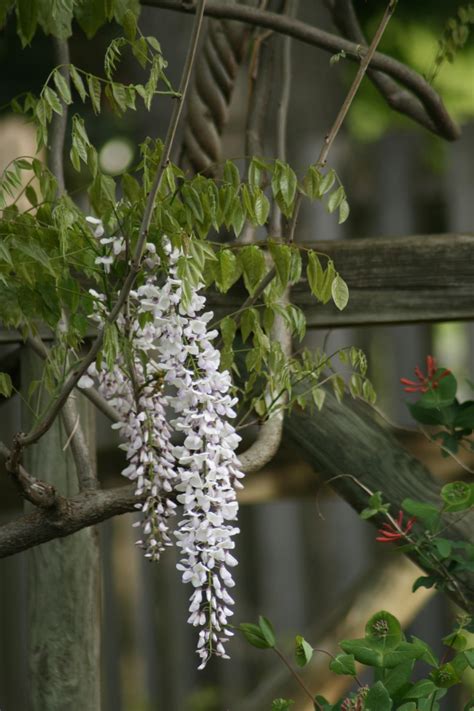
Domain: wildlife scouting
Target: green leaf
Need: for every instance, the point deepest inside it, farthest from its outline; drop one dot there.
(426, 513)
(327, 182)
(443, 546)
(31, 195)
(252, 260)
(420, 690)
(335, 199)
(344, 211)
(261, 206)
(343, 664)
(375, 507)
(52, 100)
(231, 174)
(237, 217)
(77, 82)
(94, 87)
(340, 292)
(129, 24)
(254, 635)
(35, 253)
(397, 679)
(267, 630)
(6, 385)
(469, 654)
(458, 496)
(362, 651)
(465, 417)
(445, 676)
(378, 699)
(228, 328)
(62, 86)
(303, 651)
(27, 16)
(255, 173)
(383, 631)
(90, 14)
(424, 581)
(456, 640)
(443, 395)
(425, 415)
(227, 270)
(281, 255)
(312, 182)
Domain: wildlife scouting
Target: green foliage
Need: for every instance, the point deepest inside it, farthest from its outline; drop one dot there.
(55, 17)
(303, 651)
(455, 36)
(394, 660)
(440, 407)
(261, 636)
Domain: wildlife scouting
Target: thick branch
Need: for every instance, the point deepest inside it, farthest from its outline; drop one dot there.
(345, 19)
(68, 516)
(37, 492)
(442, 123)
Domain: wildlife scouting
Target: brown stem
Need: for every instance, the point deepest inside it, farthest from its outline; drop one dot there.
(367, 58)
(297, 677)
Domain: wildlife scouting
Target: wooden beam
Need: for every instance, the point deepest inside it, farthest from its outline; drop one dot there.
(424, 278)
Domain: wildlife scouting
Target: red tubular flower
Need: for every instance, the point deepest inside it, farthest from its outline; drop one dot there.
(389, 533)
(425, 382)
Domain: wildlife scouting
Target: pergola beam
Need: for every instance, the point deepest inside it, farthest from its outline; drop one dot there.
(424, 278)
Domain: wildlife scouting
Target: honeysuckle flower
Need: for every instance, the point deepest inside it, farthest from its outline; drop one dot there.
(427, 382)
(389, 533)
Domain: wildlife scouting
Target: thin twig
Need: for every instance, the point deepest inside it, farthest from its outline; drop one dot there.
(40, 348)
(24, 440)
(346, 104)
(366, 59)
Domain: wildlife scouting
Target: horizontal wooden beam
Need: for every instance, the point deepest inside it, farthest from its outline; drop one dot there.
(424, 278)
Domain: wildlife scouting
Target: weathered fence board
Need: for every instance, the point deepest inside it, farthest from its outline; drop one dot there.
(412, 279)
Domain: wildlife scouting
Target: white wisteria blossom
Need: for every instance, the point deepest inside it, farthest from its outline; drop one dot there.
(172, 364)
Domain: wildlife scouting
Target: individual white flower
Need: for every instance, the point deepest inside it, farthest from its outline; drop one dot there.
(97, 224)
(106, 262)
(85, 381)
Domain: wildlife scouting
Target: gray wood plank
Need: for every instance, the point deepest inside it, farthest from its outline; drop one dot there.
(424, 278)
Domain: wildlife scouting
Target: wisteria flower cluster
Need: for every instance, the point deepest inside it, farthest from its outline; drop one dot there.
(171, 365)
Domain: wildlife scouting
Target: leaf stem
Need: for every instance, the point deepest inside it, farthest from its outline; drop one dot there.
(297, 677)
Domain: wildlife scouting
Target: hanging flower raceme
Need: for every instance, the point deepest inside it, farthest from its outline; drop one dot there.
(173, 364)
